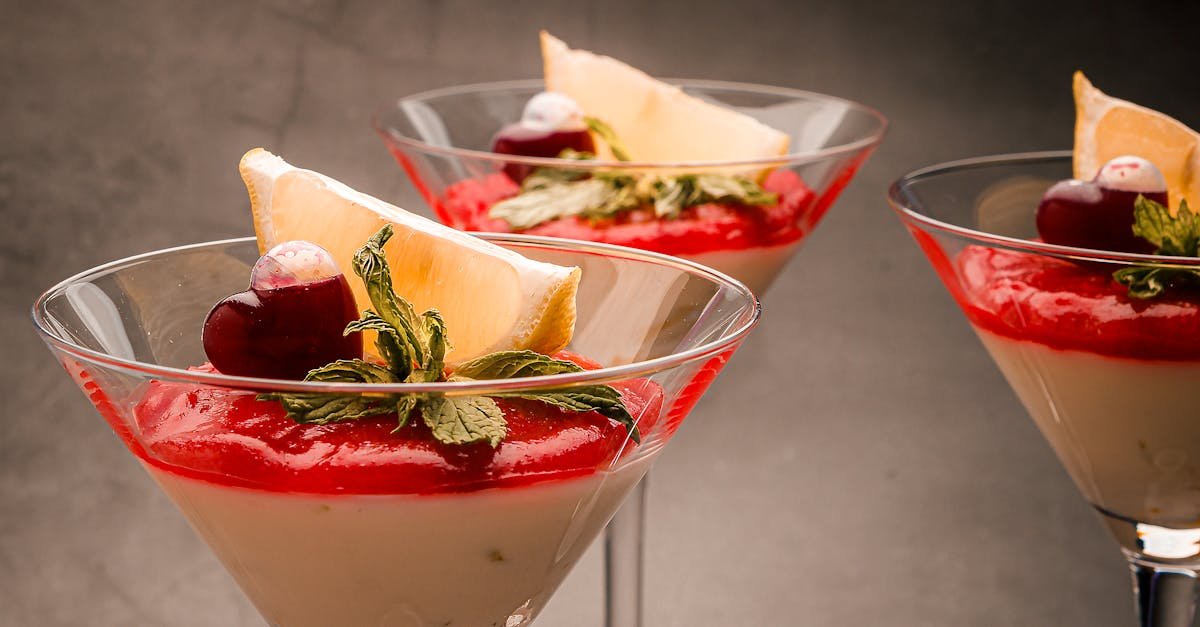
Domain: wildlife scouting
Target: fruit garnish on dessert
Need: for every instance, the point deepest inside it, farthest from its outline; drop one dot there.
(658, 122)
(414, 348)
(529, 304)
(628, 116)
(289, 321)
(1107, 127)
(1135, 201)
(265, 331)
(633, 117)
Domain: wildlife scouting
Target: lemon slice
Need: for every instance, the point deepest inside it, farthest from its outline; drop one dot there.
(656, 122)
(1107, 127)
(492, 299)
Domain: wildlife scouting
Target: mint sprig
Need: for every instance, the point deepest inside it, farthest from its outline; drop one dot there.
(554, 193)
(414, 348)
(606, 132)
(1175, 235)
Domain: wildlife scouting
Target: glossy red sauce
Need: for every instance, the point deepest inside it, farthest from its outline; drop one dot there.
(1071, 306)
(702, 228)
(231, 438)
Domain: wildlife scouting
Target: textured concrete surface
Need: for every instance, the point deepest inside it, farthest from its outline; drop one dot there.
(886, 475)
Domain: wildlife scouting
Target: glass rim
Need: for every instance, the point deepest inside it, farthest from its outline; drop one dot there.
(866, 142)
(483, 387)
(908, 210)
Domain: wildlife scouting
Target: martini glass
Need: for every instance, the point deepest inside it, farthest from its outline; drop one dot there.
(442, 139)
(1113, 383)
(482, 543)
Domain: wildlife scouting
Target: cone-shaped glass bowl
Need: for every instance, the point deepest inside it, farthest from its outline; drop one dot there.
(443, 140)
(1112, 382)
(317, 528)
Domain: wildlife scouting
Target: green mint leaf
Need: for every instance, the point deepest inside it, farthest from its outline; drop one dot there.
(326, 408)
(1175, 235)
(464, 419)
(392, 346)
(371, 265)
(672, 194)
(718, 187)
(415, 350)
(433, 335)
(591, 196)
(606, 133)
(547, 177)
(1147, 282)
(604, 399)
(512, 365)
(404, 409)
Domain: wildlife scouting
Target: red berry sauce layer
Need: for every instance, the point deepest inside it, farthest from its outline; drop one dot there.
(702, 228)
(229, 437)
(1070, 306)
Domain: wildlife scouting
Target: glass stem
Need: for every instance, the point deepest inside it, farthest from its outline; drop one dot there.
(623, 561)
(1165, 596)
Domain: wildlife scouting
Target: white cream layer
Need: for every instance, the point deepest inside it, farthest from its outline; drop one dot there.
(491, 557)
(1127, 430)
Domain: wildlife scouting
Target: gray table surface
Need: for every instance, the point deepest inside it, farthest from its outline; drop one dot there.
(885, 475)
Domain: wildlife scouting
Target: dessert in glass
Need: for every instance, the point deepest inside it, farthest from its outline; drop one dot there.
(731, 175)
(352, 461)
(1080, 274)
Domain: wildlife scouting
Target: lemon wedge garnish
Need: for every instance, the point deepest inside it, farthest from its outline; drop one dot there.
(492, 299)
(656, 121)
(1107, 127)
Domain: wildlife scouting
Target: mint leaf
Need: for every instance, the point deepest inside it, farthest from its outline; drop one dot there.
(395, 348)
(606, 133)
(591, 197)
(604, 399)
(404, 408)
(1146, 282)
(513, 364)
(464, 419)
(547, 177)
(433, 336)
(672, 194)
(414, 348)
(675, 193)
(718, 187)
(326, 408)
(1175, 235)
(371, 266)
(555, 193)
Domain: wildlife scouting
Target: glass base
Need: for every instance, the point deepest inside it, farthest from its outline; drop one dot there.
(1176, 546)
(1164, 563)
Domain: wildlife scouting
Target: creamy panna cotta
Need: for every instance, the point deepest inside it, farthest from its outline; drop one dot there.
(757, 267)
(351, 524)
(1111, 381)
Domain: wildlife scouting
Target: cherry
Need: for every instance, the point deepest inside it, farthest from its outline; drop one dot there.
(550, 124)
(1098, 214)
(530, 141)
(289, 321)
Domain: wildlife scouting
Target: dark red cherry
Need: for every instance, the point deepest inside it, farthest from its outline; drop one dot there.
(1099, 214)
(290, 320)
(528, 141)
(550, 124)
(525, 141)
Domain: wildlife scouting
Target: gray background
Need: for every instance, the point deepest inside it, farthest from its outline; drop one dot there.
(874, 469)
